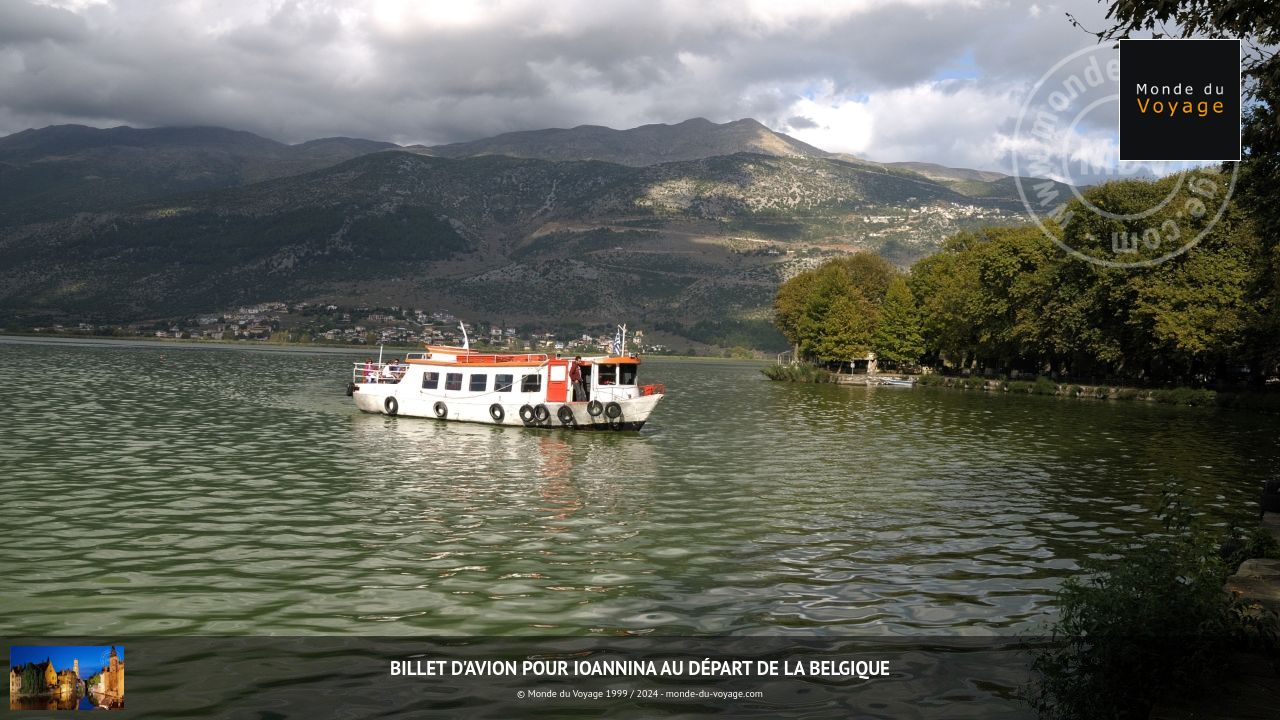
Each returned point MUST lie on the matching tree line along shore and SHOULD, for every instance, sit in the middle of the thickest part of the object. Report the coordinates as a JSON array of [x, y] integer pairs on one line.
[[1003, 303]]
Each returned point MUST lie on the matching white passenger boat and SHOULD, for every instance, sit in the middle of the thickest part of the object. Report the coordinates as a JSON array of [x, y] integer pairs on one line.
[[533, 390]]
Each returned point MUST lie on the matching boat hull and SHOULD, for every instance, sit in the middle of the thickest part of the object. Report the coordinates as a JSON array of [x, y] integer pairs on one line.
[[399, 400]]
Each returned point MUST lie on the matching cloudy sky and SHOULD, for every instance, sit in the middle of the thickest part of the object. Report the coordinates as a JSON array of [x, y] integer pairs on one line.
[[930, 80]]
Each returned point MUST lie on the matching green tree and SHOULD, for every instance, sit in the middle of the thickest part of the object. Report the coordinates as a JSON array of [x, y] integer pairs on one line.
[[836, 321], [1195, 313], [830, 313], [946, 285], [869, 273], [1183, 318], [898, 339], [1007, 298], [846, 328], [789, 305], [1257, 23], [1013, 271]]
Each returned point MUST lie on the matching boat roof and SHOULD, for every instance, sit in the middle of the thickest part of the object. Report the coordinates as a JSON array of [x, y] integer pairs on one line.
[[445, 354]]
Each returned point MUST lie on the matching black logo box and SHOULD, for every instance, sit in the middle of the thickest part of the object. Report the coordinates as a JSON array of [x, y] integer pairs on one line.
[[1184, 66]]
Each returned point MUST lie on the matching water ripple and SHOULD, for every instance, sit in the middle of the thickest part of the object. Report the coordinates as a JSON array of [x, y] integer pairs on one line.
[[161, 490]]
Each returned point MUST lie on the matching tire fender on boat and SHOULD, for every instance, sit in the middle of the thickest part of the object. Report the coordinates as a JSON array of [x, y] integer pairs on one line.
[[526, 414], [565, 414], [594, 408], [496, 412], [541, 413], [351, 389], [440, 409], [391, 405], [613, 411]]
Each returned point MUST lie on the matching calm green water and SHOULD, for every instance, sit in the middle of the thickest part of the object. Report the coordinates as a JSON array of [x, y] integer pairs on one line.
[[162, 490]]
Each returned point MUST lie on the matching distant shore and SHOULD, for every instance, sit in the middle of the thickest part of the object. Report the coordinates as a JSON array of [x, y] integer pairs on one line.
[[273, 345], [72, 339]]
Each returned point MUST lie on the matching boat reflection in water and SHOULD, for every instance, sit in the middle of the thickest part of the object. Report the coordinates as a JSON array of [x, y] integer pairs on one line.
[[466, 463]]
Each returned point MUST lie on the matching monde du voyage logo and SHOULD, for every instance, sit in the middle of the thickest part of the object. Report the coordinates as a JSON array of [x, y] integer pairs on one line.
[[1166, 111], [1180, 100]]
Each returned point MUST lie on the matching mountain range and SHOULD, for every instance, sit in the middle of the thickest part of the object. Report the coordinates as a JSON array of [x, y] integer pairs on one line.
[[645, 145], [687, 227]]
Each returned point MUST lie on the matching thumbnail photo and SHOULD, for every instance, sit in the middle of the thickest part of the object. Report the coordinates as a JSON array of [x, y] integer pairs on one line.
[[66, 677]]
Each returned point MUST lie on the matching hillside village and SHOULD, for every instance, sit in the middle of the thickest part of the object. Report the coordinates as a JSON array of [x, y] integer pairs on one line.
[[340, 325], [688, 228]]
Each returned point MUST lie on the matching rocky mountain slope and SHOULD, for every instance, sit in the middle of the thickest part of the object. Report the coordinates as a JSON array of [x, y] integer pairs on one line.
[[680, 227], [64, 169], [584, 241], [645, 145]]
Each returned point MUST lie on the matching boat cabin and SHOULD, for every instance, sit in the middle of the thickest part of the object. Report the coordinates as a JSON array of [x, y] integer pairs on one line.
[[531, 377], [451, 383]]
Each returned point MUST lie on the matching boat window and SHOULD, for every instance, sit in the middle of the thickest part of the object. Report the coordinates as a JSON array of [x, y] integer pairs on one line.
[[531, 383], [608, 375], [430, 381], [502, 383], [479, 383], [453, 381], [627, 374]]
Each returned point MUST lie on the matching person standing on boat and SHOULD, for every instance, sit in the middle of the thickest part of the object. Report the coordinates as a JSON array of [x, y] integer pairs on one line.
[[390, 370], [370, 375], [575, 376]]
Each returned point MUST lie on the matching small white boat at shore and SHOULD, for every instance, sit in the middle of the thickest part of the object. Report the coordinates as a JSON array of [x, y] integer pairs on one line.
[[530, 390], [895, 382]]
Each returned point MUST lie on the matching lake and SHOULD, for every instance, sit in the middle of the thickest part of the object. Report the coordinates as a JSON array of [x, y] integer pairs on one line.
[[154, 489]]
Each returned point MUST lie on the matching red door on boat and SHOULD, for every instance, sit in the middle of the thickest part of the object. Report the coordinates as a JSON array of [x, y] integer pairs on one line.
[[557, 380]]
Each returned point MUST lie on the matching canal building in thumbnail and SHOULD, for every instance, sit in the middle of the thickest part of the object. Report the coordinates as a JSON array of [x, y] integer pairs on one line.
[[110, 687]]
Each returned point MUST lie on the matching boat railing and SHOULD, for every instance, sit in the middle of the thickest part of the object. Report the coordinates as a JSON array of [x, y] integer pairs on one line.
[[497, 358], [463, 356], [363, 373]]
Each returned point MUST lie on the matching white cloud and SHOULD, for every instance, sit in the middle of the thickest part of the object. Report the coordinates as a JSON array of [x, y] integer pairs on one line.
[[837, 125], [958, 122]]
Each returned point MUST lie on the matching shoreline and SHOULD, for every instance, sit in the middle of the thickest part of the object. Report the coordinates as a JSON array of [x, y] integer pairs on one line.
[[189, 343], [276, 346], [1242, 398]]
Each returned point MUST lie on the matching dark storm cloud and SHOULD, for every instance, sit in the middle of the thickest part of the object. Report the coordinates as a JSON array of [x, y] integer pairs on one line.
[[414, 71], [21, 23]]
